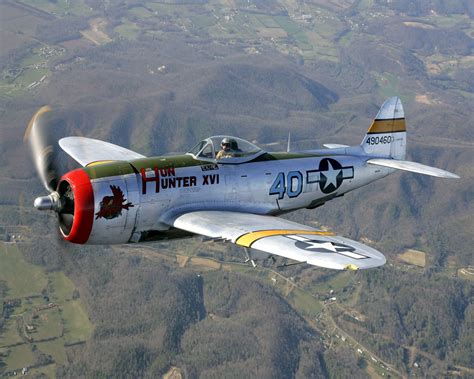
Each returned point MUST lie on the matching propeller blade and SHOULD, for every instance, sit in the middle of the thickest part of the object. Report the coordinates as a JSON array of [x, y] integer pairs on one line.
[[38, 134]]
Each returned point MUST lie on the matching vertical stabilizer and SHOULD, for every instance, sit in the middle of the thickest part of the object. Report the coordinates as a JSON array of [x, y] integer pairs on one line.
[[386, 136]]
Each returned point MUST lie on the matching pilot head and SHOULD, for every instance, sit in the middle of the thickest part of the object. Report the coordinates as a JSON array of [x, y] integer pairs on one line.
[[225, 144]]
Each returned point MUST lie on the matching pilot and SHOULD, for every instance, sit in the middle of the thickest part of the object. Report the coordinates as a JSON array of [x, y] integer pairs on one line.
[[227, 148]]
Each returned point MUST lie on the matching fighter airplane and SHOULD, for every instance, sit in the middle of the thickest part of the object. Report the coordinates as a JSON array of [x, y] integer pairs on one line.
[[224, 188]]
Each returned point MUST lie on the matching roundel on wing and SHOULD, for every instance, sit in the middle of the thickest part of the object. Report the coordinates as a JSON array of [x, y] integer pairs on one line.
[[331, 175], [319, 246]]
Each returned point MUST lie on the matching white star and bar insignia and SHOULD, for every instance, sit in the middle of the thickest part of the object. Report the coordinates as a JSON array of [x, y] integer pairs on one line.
[[325, 247], [330, 175]]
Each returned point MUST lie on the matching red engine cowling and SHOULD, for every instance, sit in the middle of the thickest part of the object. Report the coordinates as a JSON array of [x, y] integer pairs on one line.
[[76, 217]]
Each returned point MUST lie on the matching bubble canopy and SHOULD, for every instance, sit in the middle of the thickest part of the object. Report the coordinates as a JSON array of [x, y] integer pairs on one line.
[[225, 149]]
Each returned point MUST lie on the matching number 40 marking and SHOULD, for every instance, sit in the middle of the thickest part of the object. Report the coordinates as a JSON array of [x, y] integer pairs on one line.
[[292, 186]]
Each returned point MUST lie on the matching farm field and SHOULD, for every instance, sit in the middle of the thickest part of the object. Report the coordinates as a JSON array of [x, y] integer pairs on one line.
[[414, 257], [43, 318]]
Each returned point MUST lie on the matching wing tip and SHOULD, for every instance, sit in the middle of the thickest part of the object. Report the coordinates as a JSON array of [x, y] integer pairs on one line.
[[452, 175], [415, 167]]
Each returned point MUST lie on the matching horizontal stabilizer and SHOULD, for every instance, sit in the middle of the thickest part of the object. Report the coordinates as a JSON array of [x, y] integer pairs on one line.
[[334, 145], [413, 167], [88, 151]]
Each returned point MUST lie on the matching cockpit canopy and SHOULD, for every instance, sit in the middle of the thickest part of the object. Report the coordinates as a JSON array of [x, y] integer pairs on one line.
[[225, 149]]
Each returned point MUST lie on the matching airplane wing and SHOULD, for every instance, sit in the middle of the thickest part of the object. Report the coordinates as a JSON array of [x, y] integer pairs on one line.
[[277, 236], [413, 167], [87, 151]]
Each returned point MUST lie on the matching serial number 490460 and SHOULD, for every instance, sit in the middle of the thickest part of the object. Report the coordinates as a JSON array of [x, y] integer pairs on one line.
[[380, 140]]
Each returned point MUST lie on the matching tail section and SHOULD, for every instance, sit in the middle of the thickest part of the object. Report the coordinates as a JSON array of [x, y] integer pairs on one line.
[[386, 136], [386, 142]]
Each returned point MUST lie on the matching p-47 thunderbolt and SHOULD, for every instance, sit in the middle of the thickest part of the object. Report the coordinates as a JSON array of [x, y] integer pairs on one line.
[[225, 189]]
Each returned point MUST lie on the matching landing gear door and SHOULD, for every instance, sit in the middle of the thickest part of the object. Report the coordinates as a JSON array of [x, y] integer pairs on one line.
[[231, 183]]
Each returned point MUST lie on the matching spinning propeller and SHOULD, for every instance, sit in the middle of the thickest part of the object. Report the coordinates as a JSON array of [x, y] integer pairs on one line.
[[42, 135]]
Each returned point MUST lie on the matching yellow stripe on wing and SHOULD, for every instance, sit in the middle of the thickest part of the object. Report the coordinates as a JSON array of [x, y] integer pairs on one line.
[[248, 239]]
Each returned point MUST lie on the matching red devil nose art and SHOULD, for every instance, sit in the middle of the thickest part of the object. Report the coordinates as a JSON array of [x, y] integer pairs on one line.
[[111, 206]]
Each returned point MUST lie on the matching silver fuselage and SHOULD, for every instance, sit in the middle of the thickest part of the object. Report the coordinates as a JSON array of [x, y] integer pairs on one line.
[[161, 192]]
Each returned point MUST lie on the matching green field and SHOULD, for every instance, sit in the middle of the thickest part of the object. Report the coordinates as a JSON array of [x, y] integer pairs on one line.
[[10, 334], [33, 59], [336, 282], [28, 304], [305, 303], [31, 75], [237, 29], [141, 12], [48, 324], [288, 25], [77, 326], [15, 79], [55, 349], [22, 278], [61, 286], [323, 53], [127, 30], [303, 41], [19, 357]]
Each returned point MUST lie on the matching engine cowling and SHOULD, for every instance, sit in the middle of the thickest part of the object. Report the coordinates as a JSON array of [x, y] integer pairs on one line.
[[76, 217]]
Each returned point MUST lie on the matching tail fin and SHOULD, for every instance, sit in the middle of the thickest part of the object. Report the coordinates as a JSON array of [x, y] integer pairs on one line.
[[386, 136]]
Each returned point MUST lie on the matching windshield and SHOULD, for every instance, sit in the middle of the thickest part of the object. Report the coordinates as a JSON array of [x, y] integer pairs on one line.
[[225, 149]]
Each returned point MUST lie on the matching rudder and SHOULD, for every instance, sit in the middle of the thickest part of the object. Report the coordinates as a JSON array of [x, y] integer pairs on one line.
[[386, 136]]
